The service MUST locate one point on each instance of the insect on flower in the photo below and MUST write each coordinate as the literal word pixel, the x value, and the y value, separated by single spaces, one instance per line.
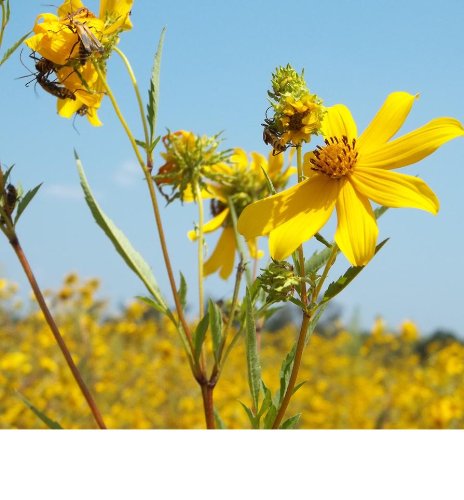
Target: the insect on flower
pixel 272 137
pixel 88 43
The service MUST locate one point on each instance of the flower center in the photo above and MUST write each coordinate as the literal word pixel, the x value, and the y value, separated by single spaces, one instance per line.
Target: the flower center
pixel 336 159
pixel 296 121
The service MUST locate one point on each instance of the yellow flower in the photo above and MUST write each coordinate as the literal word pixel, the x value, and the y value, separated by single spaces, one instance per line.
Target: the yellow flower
pixel 345 174
pixel 300 118
pixel 67 43
pixel 243 182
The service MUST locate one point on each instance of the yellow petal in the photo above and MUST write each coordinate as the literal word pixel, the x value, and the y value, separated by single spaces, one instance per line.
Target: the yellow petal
pixel 258 163
pixel 387 121
pixel 275 164
pixel 223 257
pixel 413 147
pixel 255 253
pixel 314 197
pixel 338 122
pixel 211 225
pixel 240 158
pixel 393 189
pixel 118 11
pixel 67 107
pixel 69 7
pixel 356 233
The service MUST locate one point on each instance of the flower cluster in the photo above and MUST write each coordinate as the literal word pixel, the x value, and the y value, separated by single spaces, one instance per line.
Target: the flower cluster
pixel 345 173
pixel 377 379
pixel 297 115
pixel 237 184
pixel 189 161
pixel 68 46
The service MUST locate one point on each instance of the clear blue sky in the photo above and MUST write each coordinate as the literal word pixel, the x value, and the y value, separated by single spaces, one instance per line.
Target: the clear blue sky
pixel 216 68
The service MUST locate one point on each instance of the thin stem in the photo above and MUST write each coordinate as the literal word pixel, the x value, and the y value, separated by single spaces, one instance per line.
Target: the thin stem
pixel 155 205
pixel 329 264
pixel 201 243
pixel 208 405
pixel 293 376
pixel 56 333
pixel 139 101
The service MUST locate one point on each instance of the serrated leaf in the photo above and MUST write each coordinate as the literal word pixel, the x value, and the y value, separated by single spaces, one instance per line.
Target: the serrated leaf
pixel 215 324
pixel 317 260
pixel 51 424
pixel 122 245
pixel 24 202
pixel 153 91
pixel 291 422
pixel 199 335
pixel 253 364
pixel 337 286
pixel 182 291
pixel 11 50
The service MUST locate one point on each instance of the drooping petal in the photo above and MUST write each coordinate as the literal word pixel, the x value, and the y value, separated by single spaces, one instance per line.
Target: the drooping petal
pixel 255 252
pixel 393 189
pixel 357 230
pixel 67 107
pixel 69 7
pixel 387 121
pixel 314 197
pixel 211 225
pixel 258 163
pixel 275 164
pixel 223 257
pixel 116 13
pixel 338 121
pixel 414 146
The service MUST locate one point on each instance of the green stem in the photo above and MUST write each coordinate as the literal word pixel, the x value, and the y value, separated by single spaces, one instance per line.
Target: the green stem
pixel 139 102
pixel 201 244
pixel 239 241
pixel 329 264
pixel 155 205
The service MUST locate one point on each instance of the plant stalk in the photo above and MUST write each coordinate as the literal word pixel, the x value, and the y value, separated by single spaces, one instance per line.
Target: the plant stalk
pixel 56 333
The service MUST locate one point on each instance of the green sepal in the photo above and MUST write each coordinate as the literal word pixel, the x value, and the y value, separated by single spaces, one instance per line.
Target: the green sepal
pixel 337 286
pixel 199 335
pixel 123 246
pixel 153 91
pixel 253 364
pixel 24 202
pixel 51 424
pixel 215 325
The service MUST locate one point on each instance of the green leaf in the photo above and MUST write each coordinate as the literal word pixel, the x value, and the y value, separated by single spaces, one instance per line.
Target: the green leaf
pixel 153 91
pixel 149 301
pixel 253 420
pixel 199 335
pixel 253 364
pixel 215 324
pixel 10 51
pixel 317 260
pixel 220 424
pixel 337 286
pixel 291 422
pixel 285 371
pixel 142 144
pixel 270 417
pixel 183 291
pixel 51 424
pixel 270 186
pixel 122 245
pixel 379 211
pixel 24 202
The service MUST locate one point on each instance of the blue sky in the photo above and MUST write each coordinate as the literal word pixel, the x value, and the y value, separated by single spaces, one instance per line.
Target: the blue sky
pixel 216 67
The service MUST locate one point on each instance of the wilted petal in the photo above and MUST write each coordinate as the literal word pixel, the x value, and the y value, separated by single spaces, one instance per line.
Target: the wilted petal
pixel 211 225
pixel 356 233
pixel 393 189
pixel 223 257
pixel 387 121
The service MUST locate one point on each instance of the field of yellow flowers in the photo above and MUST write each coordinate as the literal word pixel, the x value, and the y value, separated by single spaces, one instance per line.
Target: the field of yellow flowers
pixel 136 368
